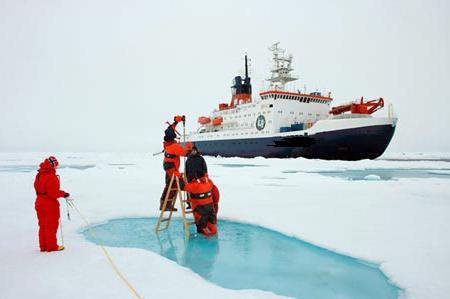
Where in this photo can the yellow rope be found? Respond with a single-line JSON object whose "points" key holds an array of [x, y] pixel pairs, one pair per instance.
{"points": [[108, 257]]}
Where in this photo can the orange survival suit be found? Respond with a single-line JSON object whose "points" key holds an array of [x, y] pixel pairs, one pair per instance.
{"points": [[48, 191], [172, 152], [201, 199]]}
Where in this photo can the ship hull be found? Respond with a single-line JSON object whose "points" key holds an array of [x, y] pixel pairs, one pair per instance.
{"points": [[347, 144]]}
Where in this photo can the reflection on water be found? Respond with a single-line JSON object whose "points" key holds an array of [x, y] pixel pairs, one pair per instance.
{"points": [[382, 173], [245, 256]]}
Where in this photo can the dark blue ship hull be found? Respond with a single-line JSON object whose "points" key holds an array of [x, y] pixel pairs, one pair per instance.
{"points": [[349, 144]]}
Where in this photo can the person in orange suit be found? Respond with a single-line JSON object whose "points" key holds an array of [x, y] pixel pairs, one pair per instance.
{"points": [[48, 191], [196, 168], [201, 199], [171, 163]]}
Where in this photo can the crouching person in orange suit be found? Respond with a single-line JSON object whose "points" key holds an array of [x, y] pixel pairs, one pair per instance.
{"points": [[47, 189], [196, 168], [201, 199]]}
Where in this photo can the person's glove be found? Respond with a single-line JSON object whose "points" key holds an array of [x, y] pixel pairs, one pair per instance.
{"points": [[189, 146], [66, 195], [179, 118]]}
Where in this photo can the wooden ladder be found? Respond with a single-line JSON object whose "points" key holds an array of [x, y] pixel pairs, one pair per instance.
{"points": [[174, 185]]}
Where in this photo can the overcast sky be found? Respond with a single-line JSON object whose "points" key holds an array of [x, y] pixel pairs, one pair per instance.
{"points": [[105, 75]]}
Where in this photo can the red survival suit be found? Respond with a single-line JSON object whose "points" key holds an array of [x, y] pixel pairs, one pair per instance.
{"points": [[47, 189], [201, 199]]}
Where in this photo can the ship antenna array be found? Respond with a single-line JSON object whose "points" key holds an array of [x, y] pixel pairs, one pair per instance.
{"points": [[281, 68]]}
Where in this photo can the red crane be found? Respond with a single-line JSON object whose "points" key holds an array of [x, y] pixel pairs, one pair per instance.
{"points": [[361, 107]]}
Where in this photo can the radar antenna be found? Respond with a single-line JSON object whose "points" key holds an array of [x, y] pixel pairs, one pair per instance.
{"points": [[281, 68]]}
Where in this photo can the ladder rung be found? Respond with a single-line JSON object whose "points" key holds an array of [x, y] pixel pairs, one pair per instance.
{"points": [[174, 189], [165, 219], [190, 223], [189, 212]]}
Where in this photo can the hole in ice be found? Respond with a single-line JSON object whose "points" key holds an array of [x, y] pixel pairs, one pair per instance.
{"points": [[244, 256], [381, 173]]}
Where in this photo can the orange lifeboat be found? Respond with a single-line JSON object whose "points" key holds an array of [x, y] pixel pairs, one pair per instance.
{"points": [[217, 121], [203, 120]]}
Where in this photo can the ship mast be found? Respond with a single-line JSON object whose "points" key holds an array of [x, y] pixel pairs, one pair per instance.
{"points": [[281, 68]]}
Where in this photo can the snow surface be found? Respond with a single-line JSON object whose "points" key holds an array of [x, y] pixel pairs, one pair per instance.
{"points": [[402, 224]]}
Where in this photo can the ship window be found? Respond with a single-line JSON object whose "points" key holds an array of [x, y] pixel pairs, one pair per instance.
{"points": [[271, 105]]}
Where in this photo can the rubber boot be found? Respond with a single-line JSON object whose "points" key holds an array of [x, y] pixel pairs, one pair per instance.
{"points": [[212, 228], [204, 231]]}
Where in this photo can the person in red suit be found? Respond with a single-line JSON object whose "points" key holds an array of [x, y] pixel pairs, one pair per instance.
{"points": [[171, 163], [48, 191], [201, 199]]}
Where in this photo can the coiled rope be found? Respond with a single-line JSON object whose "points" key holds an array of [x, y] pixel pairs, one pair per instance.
{"points": [[105, 252]]}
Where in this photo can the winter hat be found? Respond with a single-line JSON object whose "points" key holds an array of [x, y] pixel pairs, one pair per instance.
{"points": [[169, 134], [53, 161]]}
